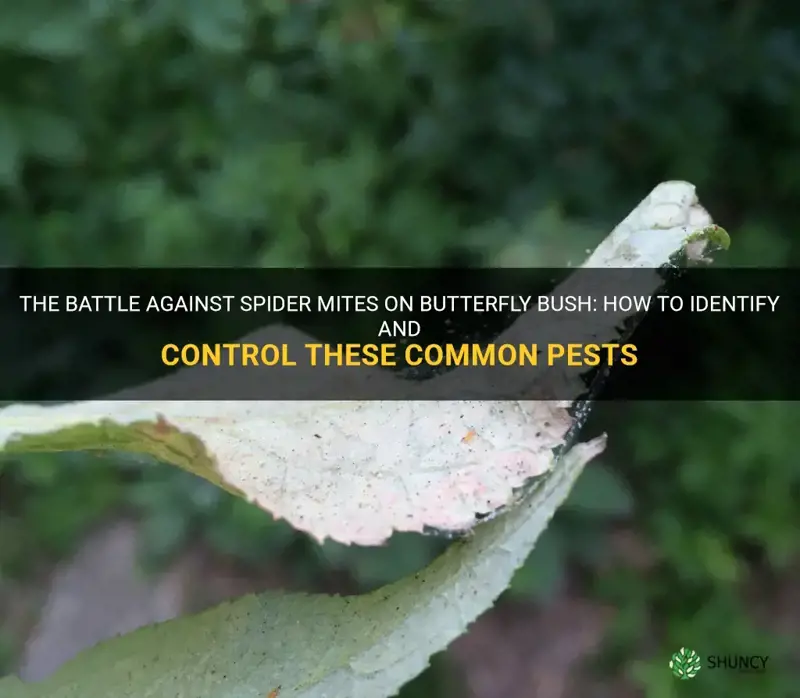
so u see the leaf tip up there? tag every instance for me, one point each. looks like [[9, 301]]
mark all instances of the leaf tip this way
[[708, 239]]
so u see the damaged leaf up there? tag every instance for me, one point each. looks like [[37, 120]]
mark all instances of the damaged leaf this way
[[355, 472]]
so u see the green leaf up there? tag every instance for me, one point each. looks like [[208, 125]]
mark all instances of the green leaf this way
[[317, 645], [417, 454], [600, 491]]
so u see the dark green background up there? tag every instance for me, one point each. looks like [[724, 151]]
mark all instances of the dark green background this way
[[421, 133]]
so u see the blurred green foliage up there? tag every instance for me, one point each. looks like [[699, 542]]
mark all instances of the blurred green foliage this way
[[285, 133]]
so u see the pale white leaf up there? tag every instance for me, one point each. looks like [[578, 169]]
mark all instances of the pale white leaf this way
[[357, 471], [320, 646]]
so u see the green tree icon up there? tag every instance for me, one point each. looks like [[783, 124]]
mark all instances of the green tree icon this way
[[685, 664]]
